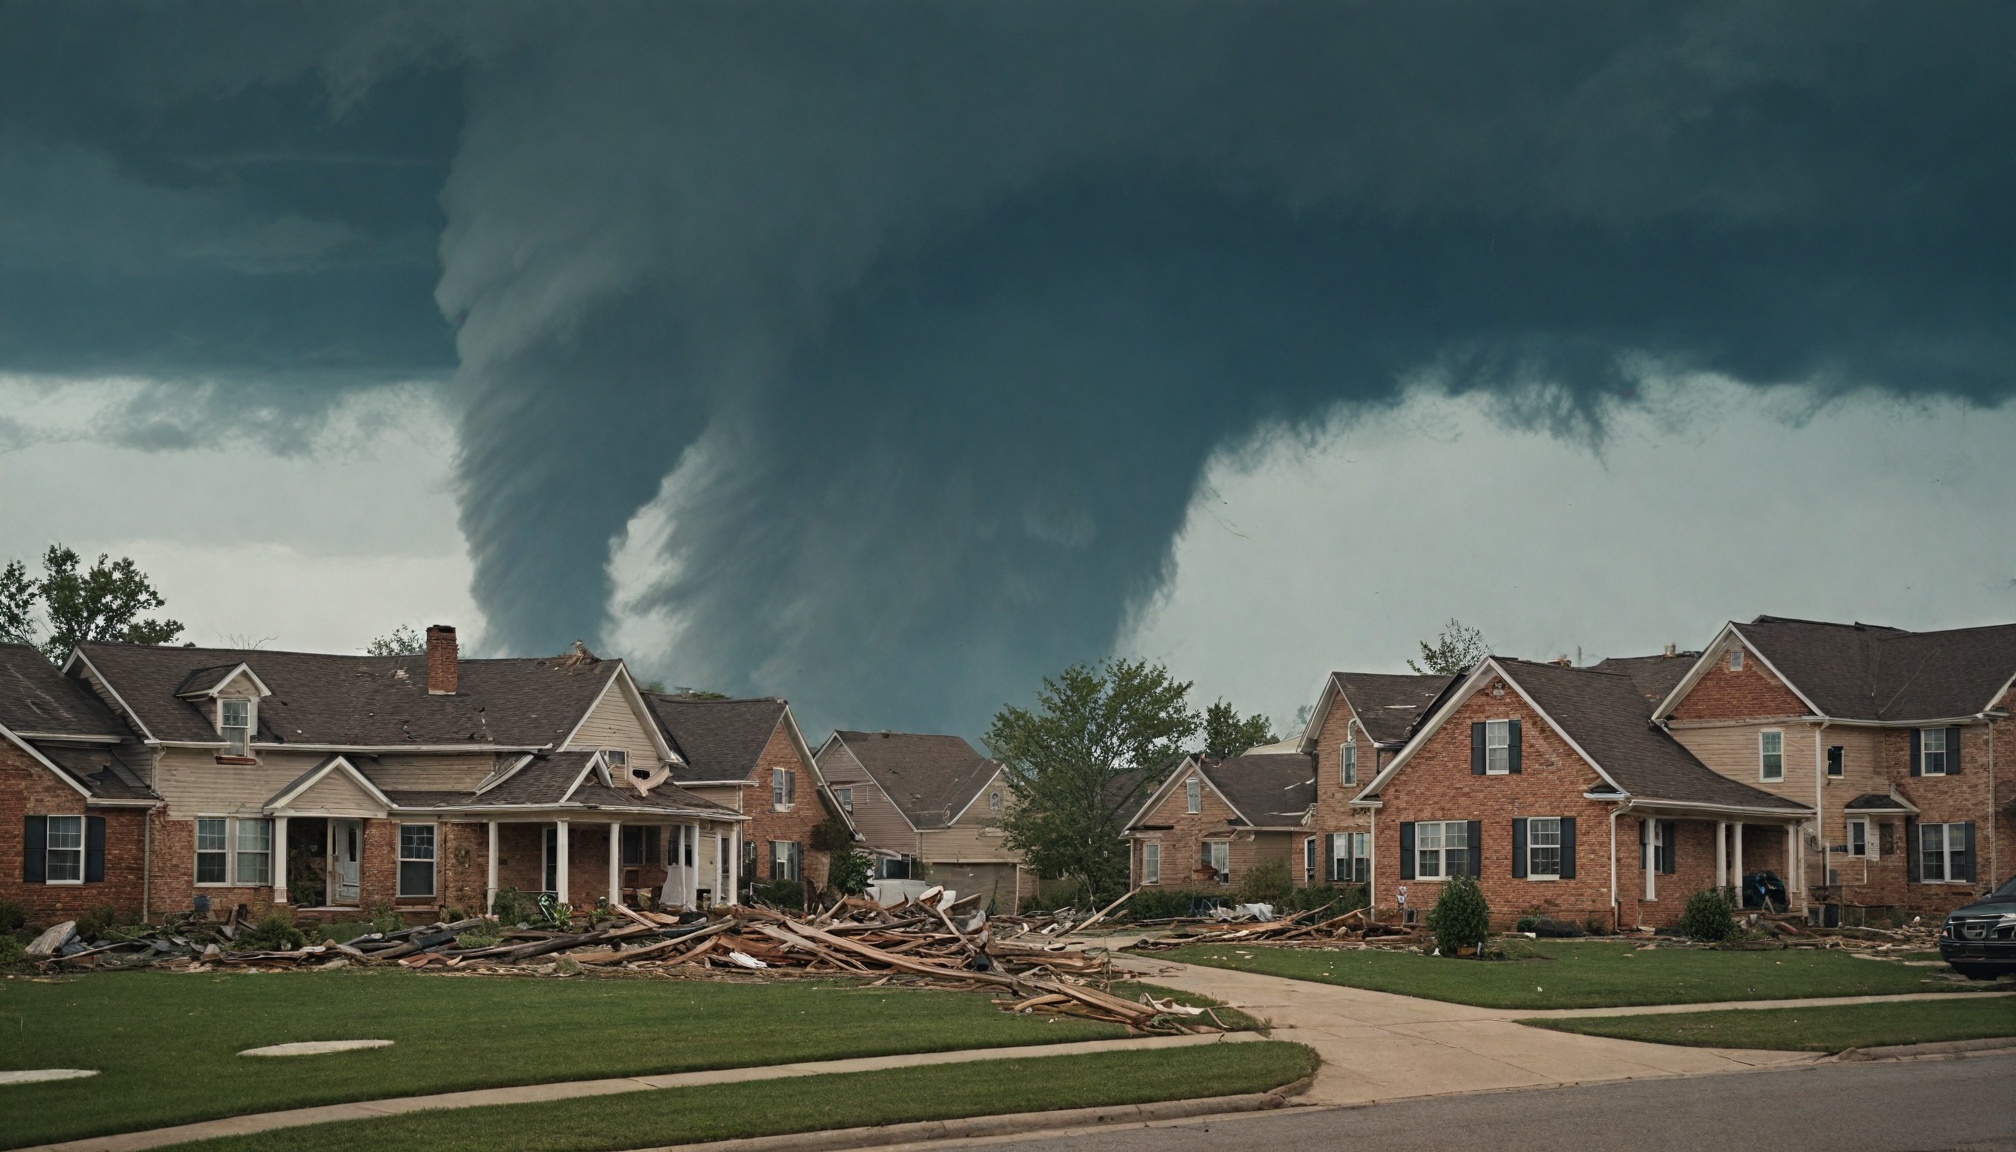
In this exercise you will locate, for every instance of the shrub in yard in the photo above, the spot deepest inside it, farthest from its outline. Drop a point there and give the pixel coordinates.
(847, 871)
(275, 933)
(1335, 899)
(1460, 919)
(1708, 916)
(11, 950)
(385, 918)
(785, 895)
(513, 907)
(1266, 884)
(12, 916)
(1165, 903)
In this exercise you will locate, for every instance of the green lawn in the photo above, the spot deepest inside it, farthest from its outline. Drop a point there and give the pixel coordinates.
(1810, 1029)
(166, 1044)
(848, 1100)
(1581, 974)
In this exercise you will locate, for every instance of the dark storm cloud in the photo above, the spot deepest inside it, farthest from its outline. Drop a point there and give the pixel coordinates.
(946, 306)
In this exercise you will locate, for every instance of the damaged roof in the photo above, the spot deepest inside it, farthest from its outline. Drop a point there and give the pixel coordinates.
(359, 701)
(718, 739)
(1873, 672)
(1267, 790)
(930, 779)
(37, 699)
(102, 771)
(549, 781)
(1389, 706)
(1655, 676)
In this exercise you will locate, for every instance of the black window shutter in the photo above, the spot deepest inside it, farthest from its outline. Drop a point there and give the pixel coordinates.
(1953, 752)
(94, 849)
(1512, 752)
(1477, 749)
(1518, 847)
(1567, 847)
(1329, 856)
(1917, 755)
(1911, 845)
(1966, 862)
(1476, 849)
(1669, 834)
(1407, 850)
(34, 843)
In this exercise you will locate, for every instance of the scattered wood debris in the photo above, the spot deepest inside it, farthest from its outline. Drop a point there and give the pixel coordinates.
(1309, 928)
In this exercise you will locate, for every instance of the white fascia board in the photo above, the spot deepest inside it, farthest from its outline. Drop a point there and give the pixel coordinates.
(214, 689)
(1326, 696)
(1648, 803)
(648, 718)
(371, 749)
(999, 769)
(804, 749)
(1715, 651)
(1206, 777)
(500, 775)
(332, 764)
(1161, 791)
(44, 761)
(77, 654)
(596, 765)
(68, 738)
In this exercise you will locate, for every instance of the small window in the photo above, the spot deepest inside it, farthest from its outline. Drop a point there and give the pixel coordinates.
(994, 803)
(1309, 860)
(783, 787)
(616, 758)
(1352, 865)
(213, 850)
(1193, 795)
(1858, 838)
(1933, 748)
(1350, 759)
(1217, 858)
(255, 852)
(1943, 853)
(845, 798)
(1837, 760)
(892, 868)
(1771, 755)
(64, 850)
(783, 860)
(1735, 659)
(1151, 862)
(416, 860)
(234, 721)
(1655, 853)
(1543, 847)
(1497, 747)
(1441, 849)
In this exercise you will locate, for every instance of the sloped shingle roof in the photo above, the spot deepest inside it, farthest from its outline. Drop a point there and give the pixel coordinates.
(717, 739)
(107, 772)
(1389, 705)
(1872, 672)
(1655, 676)
(36, 697)
(931, 779)
(1268, 790)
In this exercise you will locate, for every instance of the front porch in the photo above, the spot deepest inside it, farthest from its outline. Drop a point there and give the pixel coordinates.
(671, 865)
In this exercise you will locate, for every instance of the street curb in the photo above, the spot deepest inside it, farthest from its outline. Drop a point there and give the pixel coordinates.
(1936, 1048)
(974, 1127)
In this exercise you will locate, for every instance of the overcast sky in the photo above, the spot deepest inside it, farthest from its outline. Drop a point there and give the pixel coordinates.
(889, 360)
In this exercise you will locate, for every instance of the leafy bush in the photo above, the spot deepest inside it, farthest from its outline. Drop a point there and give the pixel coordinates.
(1461, 918)
(1266, 884)
(275, 933)
(11, 950)
(12, 916)
(784, 895)
(1339, 898)
(513, 907)
(1164, 903)
(1708, 916)
(488, 936)
(847, 871)
(830, 835)
(385, 918)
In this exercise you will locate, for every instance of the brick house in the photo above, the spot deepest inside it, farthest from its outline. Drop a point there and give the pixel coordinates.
(147, 778)
(751, 756)
(1889, 736)
(1211, 822)
(1552, 787)
(1361, 721)
(930, 807)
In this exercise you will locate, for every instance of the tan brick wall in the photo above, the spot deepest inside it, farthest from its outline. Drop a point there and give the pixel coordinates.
(1333, 812)
(807, 811)
(1182, 841)
(29, 789)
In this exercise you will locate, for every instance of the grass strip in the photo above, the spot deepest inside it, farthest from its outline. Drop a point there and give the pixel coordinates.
(809, 1103)
(166, 1044)
(1828, 1029)
(1580, 974)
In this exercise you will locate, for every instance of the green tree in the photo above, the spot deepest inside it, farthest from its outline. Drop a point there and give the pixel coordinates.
(1081, 762)
(101, 603)
(1226, 734)
(1461, 918)
(17, 605)
(1454, 652)
(401, 641)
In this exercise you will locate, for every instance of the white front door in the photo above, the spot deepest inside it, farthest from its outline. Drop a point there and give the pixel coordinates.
(346, 847)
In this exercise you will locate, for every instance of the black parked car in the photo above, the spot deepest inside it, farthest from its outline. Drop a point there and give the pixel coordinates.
(1979, 941)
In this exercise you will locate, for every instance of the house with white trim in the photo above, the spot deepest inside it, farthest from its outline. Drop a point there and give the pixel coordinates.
(1209, 823)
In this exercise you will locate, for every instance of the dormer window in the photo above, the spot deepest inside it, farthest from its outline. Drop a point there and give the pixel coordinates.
(234, 723)
(617, 759)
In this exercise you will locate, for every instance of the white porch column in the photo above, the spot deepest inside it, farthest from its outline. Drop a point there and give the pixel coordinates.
(1736, 834)
(1721, 853)
(692, 862)
(490, 882)
(615, 863)
(1795, 860)
(1648, 830)
(734, 864)
(560, 861)
(280, 859)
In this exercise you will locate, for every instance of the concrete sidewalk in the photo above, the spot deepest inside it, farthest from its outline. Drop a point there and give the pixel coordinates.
(1377, 1046)
(573, 1089)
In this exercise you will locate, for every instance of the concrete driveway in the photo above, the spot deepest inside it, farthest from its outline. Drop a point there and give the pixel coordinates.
(1377, 1046)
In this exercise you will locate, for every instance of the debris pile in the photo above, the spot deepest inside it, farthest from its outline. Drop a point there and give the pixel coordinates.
(928, 940)
(1302, 928)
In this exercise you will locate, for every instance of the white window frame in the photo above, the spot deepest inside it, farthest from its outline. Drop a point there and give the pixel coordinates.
(432, 860)
(1948, 833)
(994, 803)
(233, 746)
(1220, 856)
(1309, 859)
(222, 850)
(1347, 757)
(1534, 848)
(1349, 847)
(49, 849)
(1497, 747)
(1736, 659)
(1441, 849)
(783, 788)
(263, 878)
(1925, 752)
(1859, 827)
(787, 857)
(1193, 795)
(1764, 755)
(1151, 862)
(844, 796)
(616, 758)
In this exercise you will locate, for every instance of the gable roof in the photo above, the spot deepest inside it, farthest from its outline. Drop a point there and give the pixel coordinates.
(1267, 790)
(333, 700)
(718, 739)
(1655, 676)
(930, 779)
(103, 773)
(1389, 706)
(1606, 718)
(576, 779)
(1873, 672)
(37, 699)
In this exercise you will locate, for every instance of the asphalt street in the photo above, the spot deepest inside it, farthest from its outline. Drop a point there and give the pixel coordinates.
(1876, 1107)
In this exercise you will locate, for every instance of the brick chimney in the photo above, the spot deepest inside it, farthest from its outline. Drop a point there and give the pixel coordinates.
(441, 657)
